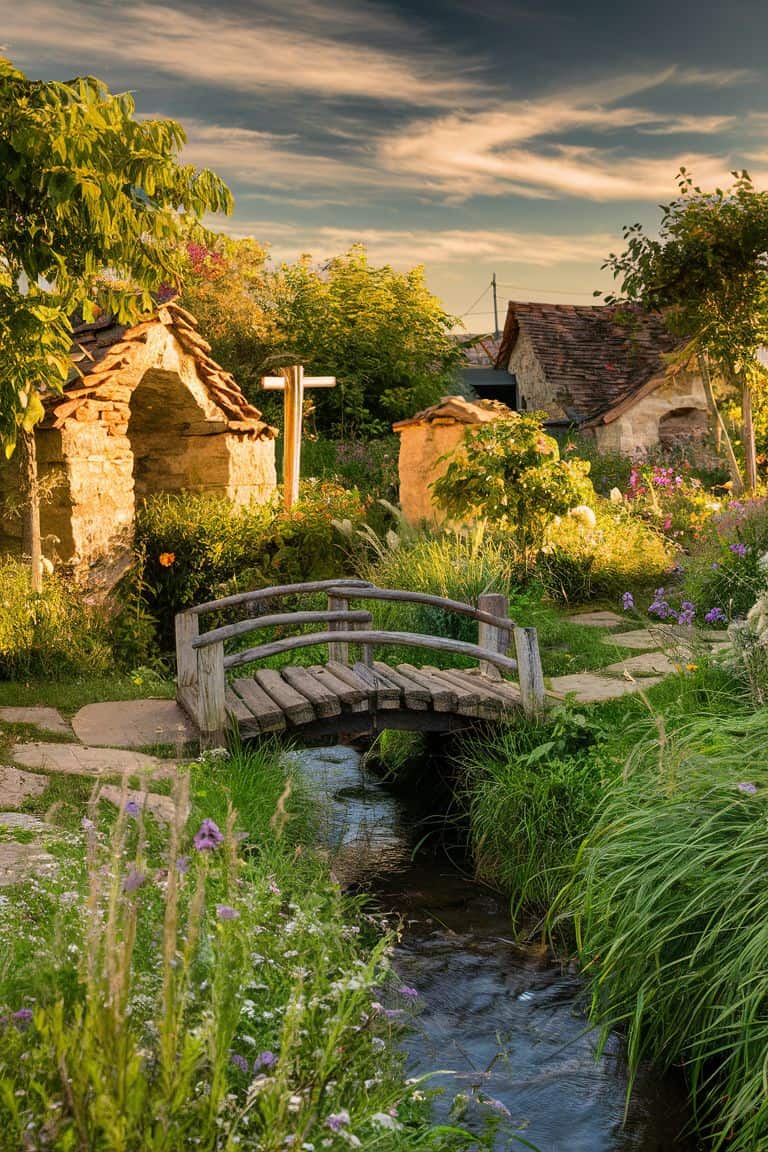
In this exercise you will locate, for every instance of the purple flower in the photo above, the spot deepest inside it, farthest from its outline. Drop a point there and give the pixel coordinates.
(660, 607)
(182, 864)
(408, 992)
(132, 809)
(224, 912)
(337, 1120)
(715, 616)
(686, 613)
(133, 880)
(739, 549)
(239, 1062)
(264, 1060)
(628, 601)
(748, 787)
(208, 836)
(23, 1017)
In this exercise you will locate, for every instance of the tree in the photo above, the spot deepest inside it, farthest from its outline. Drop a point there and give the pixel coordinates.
(382, 333)
(509, 472)
(708, 274)
(93, 203)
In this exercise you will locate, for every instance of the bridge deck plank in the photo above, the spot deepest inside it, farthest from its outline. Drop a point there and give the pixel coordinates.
(414, 695)
(323, 700)
(269, 716)
(387, 693)
(471, 695)
(346, 674)
(443, 698)
(296, 707)
(354, 698)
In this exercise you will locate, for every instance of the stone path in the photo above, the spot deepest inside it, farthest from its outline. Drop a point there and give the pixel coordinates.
(46, 719)
(21, 857)
(134, 724)
(77, 760)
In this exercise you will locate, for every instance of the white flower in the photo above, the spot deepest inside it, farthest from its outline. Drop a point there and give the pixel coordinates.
(583, 515)
(384, 1120)
(616, 496)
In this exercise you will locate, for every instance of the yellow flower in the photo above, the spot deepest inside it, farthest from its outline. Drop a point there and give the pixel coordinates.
(167, 558)
(692, 667)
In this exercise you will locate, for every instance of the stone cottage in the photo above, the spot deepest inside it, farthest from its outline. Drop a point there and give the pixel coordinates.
(146, 410)
(602, 368)
(427, 437)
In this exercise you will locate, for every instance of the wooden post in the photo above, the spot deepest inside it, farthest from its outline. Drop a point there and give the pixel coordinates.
(211, 684)
(490, 637)
(187, 630)
(529, 670)
(366, 650)
(338, 651)
(292, 383)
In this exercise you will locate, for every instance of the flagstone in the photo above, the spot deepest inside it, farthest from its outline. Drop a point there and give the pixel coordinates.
(593, 687)
(598, 619)
(77, 760)
(639, 638)
(16, 785)
(20, 860)
(161, 807)
(134, 724)
(47, 719)
(647, 664)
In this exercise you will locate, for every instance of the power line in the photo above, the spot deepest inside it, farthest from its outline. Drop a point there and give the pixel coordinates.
(469, 311)
(548, 291)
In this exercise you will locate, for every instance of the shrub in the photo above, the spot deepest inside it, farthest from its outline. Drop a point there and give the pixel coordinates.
(671, 911)
(724, 571)
(368, 465)
(49, 633)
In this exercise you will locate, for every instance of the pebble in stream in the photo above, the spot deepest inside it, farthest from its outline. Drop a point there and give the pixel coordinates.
(503, 1019)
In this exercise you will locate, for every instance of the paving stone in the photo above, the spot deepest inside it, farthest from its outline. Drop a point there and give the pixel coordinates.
(598, 619)
(648, 664)
(592, 687)
(47, 719)
(640, 638)
(24, 821)
(134, 724)
(19, 861)
(16, 785)
(161, 807)
(76, 760)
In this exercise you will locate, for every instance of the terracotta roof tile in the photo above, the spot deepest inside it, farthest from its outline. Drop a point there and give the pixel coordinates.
(458, 410)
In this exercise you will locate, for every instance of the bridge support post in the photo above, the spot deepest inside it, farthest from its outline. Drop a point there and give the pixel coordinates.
(529, 670)
(211, 684)
(336, 649)
(494, 639)
(187, 626)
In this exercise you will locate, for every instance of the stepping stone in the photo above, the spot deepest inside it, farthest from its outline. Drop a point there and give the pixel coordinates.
(640, 638)
(649, 664)
(16, 785)
(75, 760)
(47, 719)
(162, 808)
(593, 688)
(598, 619)
(19, 861)
(134, 724)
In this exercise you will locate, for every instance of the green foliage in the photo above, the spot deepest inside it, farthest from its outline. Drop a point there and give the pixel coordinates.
(509, 473)
(671, 910)
(51, 633)
(724, 570)
(94, 202)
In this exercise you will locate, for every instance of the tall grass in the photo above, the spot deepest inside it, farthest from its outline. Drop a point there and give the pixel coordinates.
(670, 905)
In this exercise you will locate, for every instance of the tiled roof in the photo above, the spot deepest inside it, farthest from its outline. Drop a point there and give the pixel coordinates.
(595, 357)
(457, 410)
(101, 350)
(480, 351)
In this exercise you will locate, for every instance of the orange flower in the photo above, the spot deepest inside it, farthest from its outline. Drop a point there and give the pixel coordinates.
(167, 558)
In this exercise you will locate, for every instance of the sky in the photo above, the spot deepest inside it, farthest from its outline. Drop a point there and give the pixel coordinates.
(471, 136)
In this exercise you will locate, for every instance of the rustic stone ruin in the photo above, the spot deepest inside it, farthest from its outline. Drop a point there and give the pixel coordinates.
(146, 411)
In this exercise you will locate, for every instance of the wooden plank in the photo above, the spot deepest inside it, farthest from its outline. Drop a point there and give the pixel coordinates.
(415, 696)
(356, 699)
(296, 707)
(386, 693)
(348, 676)
(269, 717)
(476, 698)
(238, 710)
(324, 702)
(467, 700)
(507, 694)
(443, 697)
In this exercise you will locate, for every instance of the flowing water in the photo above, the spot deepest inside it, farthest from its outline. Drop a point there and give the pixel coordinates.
(502, 1022)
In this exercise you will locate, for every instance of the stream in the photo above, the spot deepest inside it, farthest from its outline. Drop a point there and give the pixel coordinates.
(503, 1022)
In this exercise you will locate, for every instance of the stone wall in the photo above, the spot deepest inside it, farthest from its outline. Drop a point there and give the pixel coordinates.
(421, 446)
(534, 392)
(638, 427)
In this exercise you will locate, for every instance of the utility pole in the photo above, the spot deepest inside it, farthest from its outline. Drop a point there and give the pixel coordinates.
(495, 307)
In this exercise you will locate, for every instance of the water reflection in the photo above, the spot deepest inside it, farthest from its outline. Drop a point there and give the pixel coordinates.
(503, 1019)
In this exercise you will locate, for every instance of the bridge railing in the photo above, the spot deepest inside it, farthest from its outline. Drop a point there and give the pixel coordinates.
(202, 660)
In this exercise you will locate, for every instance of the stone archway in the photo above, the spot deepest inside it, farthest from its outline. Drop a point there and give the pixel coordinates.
(683, 426)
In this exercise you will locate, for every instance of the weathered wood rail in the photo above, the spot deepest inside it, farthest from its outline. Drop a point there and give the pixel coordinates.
(346, 695)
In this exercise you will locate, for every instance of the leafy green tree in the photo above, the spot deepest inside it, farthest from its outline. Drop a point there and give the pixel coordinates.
(92, 205)
(509, 473)
(382, 333)
(708, 274)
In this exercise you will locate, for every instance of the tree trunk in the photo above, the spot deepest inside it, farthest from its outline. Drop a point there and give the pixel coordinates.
(30, 536)
(722, 431)
(748, 436)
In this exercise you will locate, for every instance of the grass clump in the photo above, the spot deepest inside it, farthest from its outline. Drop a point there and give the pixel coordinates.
(670, 907)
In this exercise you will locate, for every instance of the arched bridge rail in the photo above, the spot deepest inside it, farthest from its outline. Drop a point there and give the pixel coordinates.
(346, 695)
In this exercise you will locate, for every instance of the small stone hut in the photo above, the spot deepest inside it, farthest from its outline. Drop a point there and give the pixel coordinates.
(428, 436)
(146, 410)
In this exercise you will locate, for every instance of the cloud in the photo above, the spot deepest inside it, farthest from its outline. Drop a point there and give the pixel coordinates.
(406, 247)
(256, 51)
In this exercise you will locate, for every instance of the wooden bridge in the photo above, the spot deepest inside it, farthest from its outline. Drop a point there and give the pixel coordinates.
(345, 695)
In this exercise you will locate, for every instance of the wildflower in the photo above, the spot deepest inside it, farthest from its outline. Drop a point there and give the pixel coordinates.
(264, 1060)
(384, 1120)
(687, 613)
(133, 880)
(337, 1120)
(660, 607)
(224, 912)
(739, 549)
(86, 824)
(23, 1016)
(583, 515)
(628, 601)
(748, 787)
(182, 864)
(167, 559)
(239, 1062)
(691, 667)
(715, 616)
(408, 992)
(132, 809)
(208, 836)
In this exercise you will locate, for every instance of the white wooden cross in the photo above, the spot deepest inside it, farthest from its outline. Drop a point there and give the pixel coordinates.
(293, 382)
